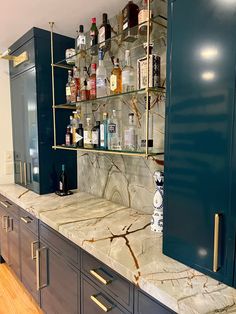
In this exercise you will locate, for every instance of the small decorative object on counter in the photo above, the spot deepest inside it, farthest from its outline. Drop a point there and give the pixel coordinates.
(63, 184)
(157, 217)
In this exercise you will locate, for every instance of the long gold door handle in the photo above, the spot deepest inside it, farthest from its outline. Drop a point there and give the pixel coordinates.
(216, 243)
(21, 174)
(105, 308)
(25, 174)
(97, 274)
(38, 271)
(3, 204)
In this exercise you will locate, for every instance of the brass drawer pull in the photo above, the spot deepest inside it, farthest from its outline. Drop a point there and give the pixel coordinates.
(105, 308)
(3, 204)
(216, 243)
(5, 223)
(97, 274)
(38, 268)
(26, 220)
(33, 244)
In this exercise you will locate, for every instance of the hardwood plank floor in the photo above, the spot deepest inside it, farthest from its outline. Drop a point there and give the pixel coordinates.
(14, 298)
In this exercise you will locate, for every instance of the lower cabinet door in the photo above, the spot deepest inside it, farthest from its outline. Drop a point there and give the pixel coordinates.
(28, 242)
(13, 245)
(95, 301)
(58, 282)
(4, 220)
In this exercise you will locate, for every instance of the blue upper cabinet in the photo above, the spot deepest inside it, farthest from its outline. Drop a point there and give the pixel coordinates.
(37, 165)
(199, 224)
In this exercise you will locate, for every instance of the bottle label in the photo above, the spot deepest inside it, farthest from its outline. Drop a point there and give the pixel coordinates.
(102, 133)
(102, 37)
(112, 128)
(92, 83)
(81, 41)
(78, 137)
(60, 186)
(68, 139)
(73, 91)
(125, 25)
(129, 137)
(113, 82)
(95, 137)
(68, 92)
(87, 137)
(143, 16)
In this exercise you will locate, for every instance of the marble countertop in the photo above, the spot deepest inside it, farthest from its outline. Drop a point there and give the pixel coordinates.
(121, 238)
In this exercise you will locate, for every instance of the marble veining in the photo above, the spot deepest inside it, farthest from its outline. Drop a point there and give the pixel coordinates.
(121, 238)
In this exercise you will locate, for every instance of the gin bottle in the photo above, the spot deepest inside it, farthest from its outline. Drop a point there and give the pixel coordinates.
(128, 76)
(101, 77)
(130, 137)
(114, 135)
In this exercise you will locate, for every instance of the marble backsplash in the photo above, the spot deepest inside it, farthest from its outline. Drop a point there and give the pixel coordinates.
(122, 179)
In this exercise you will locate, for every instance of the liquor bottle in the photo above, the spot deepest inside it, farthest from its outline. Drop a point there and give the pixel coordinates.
(93, 37)
(88, 134)
(143, 17)
(68, 92)
(130, 137)
(63, 184)
(101, 77)
(92, 81)
(104, 132)
(130, 20)
(128, 76)
(104, 34)
(96, 135)
(84, 91)
(68, 136)
(154, 69)
(116, 78)
(80, 136)
(74, 126)
(150, 130)
(80, 40)
(76, 78)
(74, 86)
(114, 136)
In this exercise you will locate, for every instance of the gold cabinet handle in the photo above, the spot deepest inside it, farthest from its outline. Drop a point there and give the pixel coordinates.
(3, 204)
(25, 174)
(105, 308)
(97, 274)
(33, 244)
(21, 174)
(26, 220)
(216, 243)
(5, 223)
(38, 269)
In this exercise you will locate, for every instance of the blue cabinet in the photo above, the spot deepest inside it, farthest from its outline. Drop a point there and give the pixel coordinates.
(37, 166)
(199, 148)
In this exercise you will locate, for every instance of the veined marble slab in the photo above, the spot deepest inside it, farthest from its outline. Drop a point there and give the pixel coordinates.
(121, 238)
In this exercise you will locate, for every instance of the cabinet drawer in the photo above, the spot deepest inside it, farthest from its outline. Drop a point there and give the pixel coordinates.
(8, 205)
(60, 244)
(29, 221)
(95, 301)
(145, 304)
(27, 48)
(108, 280)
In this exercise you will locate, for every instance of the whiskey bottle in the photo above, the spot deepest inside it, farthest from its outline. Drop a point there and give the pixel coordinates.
(88, 134)
(104, 34)
(93, 37)
(114, 135)
(128, 76)
(104, 132)
(101, 77)
(68, 91)
(116, 78)
(80, 40)
(96, 135)
(130, 137)
(130, 20)
(92, 81)
(143, 18)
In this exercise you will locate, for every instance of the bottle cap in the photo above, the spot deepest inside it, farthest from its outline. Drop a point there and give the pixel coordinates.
(131, 114)
(94, 66)
(81, 28)
(97, 122)
(104, 18)
(80, 125)
(93, 20)
(105, 114)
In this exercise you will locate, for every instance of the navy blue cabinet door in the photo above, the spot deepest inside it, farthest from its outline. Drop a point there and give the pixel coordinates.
(199, 128)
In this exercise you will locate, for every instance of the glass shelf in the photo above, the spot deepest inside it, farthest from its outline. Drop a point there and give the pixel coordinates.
(111, 152)
(134, 93)
(117, 38)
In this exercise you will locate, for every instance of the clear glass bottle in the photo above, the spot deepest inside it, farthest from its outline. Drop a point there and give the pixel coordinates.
(114, 132)
(116, 78)
(88, 134)
(96, 135)
(128, 74)
(104, 132)
(104, 34)
(93, 37)
(80, 40)
(101, 77)
(68, 92)
(92, 81)
(130, 137)
(143, 17)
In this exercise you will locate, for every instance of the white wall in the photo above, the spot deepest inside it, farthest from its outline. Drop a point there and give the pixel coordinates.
(6, 147)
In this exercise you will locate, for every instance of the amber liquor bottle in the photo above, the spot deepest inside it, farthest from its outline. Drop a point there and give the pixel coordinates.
(116, 78)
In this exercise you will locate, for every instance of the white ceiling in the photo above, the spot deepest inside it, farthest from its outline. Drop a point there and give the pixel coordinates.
(18, 16)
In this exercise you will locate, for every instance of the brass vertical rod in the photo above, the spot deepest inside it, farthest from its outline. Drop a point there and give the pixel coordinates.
(53, 86)
(216, 243)
(147, 87)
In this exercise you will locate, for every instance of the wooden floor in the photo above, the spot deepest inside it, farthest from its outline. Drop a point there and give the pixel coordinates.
(14, 298)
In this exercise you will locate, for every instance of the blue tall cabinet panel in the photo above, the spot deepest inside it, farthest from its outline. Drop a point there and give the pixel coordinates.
(200, 128)
(37, 165)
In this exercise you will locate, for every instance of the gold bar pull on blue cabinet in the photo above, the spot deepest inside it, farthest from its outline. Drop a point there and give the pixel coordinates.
(216, 243)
